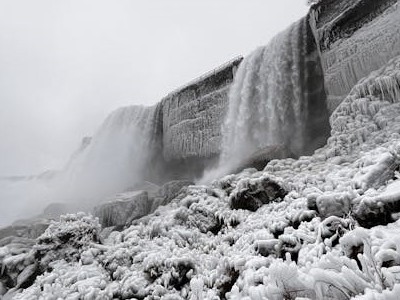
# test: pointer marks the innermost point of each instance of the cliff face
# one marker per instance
(193, 115)
(354, 38)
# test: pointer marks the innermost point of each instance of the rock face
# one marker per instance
(123, 209)
(256, 194)
(193, 115)
(192, 119)
(355, 38)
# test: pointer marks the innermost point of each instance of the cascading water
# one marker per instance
(277, 98)
(115, 159)
(117, 155)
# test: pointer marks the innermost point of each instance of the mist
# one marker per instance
(65, 65)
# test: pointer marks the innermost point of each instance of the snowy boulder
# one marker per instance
(378, 210)
(169, 191)
(338, 204)
(256, 193)
(171, 272)
(333, 228)
(288, 244)
(380, 173)
(27, 276)
(352, 243)
(123, 209)
(67, 239)
(266, 247)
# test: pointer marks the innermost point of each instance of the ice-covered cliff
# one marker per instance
(194, 113)
(355, 38)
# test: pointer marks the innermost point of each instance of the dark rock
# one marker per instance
(338, 204)
(180, 275)
(257, 194)
(204, 220)
(302, 216)
(288, 244)
(379, 210)
(266, 247)
(226, 284)
(333, 228)
(259, 159)
(169, 191)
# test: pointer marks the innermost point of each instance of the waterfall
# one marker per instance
(277, 98)
(117, 156)
(113, 160)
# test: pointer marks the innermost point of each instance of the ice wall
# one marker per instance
(193, 114)
(355, 38)
(277, 98)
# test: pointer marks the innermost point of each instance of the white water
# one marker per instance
(266, 101)
(117, 155)
(114, 160)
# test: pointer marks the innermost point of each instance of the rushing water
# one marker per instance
(273, 95)
(116, 158)
(117, 155)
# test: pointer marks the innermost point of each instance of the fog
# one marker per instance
(65, 65)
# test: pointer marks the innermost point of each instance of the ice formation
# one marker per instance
(346, 60)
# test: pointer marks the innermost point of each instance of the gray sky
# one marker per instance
(66, 64)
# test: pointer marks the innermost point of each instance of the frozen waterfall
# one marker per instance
(277, 98)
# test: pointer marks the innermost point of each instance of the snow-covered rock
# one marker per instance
(168, 191)
(123, 208)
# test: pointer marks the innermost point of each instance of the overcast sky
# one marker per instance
(66, 64)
